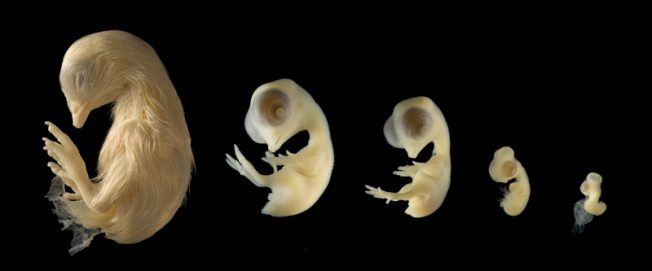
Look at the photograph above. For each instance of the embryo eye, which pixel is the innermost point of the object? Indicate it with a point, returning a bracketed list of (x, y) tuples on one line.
[(80, 80)]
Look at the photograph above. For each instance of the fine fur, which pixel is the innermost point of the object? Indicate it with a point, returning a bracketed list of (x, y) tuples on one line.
[(146, 161)]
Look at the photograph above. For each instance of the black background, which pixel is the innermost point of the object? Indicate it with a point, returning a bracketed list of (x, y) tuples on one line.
[(554, 87)]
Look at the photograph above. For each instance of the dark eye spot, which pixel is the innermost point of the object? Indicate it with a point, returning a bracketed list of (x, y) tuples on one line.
[(417, 122), (273, 106)]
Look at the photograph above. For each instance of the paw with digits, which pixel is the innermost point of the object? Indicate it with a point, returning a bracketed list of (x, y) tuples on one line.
[(409, 171), (378, 193), (69, 166)]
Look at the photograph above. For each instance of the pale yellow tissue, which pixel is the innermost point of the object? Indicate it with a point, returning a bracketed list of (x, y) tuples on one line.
[(591, 188), (585, 209), (415, 123), (145, 162), (505, 167), (278, 111)]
